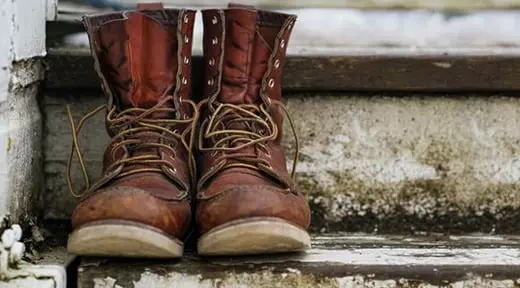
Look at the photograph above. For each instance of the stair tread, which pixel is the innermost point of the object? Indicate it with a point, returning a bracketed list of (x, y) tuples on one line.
[(374, 69), (334, 261)]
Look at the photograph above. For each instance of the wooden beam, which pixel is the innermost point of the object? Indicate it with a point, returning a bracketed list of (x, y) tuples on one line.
[(348, 72)]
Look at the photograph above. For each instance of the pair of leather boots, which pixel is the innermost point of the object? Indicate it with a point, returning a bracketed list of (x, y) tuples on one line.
[(171, 162)]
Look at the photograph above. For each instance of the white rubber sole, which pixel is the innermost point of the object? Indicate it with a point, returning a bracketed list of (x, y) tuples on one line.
[(117, 238), (259, 235)]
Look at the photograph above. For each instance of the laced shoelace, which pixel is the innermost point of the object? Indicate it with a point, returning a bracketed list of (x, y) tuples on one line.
[(131, 124), (261, 129)]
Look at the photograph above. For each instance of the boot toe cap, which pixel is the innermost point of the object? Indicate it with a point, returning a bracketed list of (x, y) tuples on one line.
[(246, 201), (133, 204)]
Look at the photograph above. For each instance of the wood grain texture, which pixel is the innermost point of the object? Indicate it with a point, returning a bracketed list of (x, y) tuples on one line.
[(349, 72)]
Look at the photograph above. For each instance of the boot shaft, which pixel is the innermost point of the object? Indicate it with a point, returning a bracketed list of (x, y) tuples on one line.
[(143, 58), (244, 54), (142, 55)]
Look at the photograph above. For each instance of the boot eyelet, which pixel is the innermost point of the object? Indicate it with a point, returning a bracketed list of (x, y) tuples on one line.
[(269, 102), (185, 18), (211, 82), (184, 81), (214, 41), (282, 43), (186, 39), (186, 60), (212, 62), (271, 83), (276, 63), (171, 170), (214, 20)]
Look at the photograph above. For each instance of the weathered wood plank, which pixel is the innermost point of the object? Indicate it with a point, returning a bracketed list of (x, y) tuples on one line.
[(334, 261), (378, 70)]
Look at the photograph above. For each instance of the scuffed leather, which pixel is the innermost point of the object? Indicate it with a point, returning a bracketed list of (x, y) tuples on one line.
[(241, 61), (128, 203), (252, 200)]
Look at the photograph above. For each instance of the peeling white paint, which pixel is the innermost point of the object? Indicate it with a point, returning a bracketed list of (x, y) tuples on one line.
[(298, 270), (416, 257), (244, 280), (394, 256), (42, 276), (475, 282), (171, 280), (107, 282), (263, 277), (29, 282)]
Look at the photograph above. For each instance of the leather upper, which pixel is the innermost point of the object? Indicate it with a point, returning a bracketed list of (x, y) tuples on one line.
[(243, 169), (143, 58)]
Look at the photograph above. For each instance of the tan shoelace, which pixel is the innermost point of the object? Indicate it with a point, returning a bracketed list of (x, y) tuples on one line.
[(131, 124), (260, 130)]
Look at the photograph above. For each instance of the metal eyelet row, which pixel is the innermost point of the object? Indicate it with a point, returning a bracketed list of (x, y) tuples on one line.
[(277, 61), (186, 59), (214, 41)]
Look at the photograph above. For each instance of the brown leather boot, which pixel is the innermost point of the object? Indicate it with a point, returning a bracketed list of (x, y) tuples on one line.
[(141, 206), (247, 202)]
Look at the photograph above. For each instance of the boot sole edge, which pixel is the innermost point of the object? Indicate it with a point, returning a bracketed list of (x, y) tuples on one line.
[(258, 235), (121, 238)]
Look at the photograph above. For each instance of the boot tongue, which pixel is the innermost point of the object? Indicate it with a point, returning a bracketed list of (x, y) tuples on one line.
[(245, 63), (239, 84)]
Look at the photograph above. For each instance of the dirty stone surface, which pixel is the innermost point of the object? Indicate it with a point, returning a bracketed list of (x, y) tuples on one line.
[(365, 261), (368, 162)]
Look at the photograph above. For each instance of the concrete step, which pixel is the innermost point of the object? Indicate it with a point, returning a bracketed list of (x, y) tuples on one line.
[(335, 261), (380, 163), (51, 268)]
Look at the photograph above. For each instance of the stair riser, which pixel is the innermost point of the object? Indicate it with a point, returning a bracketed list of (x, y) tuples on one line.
[(368, 162)]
